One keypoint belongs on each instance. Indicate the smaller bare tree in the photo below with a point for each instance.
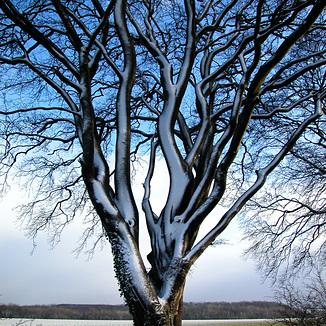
(305, 305)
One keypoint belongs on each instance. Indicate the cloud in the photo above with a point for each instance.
(57, 276)
(51, 276)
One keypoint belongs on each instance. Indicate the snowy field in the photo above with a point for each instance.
(61, 322)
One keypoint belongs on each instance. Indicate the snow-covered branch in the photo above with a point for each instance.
(124, 195)
(151, 218)
(262, 175)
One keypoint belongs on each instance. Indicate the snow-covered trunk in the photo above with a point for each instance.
(141, 317)
(134, 282)
(147, 305)
(170, 313)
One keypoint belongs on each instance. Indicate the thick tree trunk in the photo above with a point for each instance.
(172, 315)
(145, 305)
(166, 314)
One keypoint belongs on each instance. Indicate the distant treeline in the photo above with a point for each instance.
(66, 311)
(207, 310)
(232, 310)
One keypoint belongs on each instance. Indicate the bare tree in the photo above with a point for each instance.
(305, 306)
(100, 84)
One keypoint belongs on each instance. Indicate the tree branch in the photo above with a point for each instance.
(262, 175)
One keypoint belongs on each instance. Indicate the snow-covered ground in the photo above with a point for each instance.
(70, 322)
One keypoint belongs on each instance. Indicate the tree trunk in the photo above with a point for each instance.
(142, 298)
(172, 315)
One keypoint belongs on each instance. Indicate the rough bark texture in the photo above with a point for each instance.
(171, 315)
(155, 312)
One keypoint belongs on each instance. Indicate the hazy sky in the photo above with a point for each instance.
(57, 276)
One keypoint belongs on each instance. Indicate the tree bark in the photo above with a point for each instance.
(160, 313)
(172, 315)
(145, 304)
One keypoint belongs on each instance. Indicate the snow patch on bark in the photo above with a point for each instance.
(100, 167)
(102, 198)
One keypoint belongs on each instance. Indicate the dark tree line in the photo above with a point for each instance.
(232, 310)
(206, 310)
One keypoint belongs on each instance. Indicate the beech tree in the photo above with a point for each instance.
(91, 87)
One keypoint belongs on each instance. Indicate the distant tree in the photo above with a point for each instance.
(222, 90)
(305, 305)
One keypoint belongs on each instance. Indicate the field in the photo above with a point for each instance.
(61, 322)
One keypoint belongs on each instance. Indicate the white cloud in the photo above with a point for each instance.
(56, 276)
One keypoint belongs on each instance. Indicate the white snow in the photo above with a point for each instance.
(100, 166)
(102, 198)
